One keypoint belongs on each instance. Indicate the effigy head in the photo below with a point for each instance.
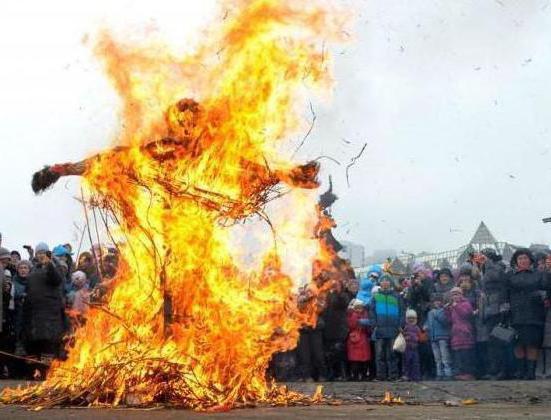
(183, 118)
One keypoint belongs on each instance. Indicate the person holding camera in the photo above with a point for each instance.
(43, 307)
(460, 315)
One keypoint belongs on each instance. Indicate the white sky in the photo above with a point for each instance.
(452, 97)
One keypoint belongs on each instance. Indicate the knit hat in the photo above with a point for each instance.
(41, 247)
(445, 271)
(356, 304)
(78, 278)
(418, 267)
(4, 253)
(386, 277)
(456, 290)
(60, 251)
(410, 313)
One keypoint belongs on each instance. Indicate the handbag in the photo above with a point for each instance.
(399, 343)
(502, 333)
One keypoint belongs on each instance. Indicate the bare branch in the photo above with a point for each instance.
(353, 162)
(314, 117)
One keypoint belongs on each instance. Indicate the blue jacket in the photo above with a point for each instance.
(386, 314)
(437, 325)
(364, 294)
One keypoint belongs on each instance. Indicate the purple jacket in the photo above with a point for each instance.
(411, 334)
(461, 319)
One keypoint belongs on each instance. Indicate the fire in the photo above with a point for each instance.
(390, 399)
(185, 323)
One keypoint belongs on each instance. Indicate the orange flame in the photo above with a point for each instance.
(390, 399)
(185, 323)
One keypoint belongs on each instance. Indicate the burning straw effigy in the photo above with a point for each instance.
(185, 324)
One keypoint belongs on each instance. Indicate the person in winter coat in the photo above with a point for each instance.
(87, 264)
(470, 290)
(438, 329)
(411, 331)
(542, 267)
(351, 288)
(471, 293)
(444, 283)
(418, 298)
(385, 314)
(419, 292)
(43, 307)
(6, 318)
(460, 314)
(24, 268)
(358, 348)
(64, 258)
(311, 359)
(80, 297)
(5, 288)
(527, 290)
(336, 331)
(492, 309)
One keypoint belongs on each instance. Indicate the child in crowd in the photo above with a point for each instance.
(412, 366)
(386, 317)
(81, 294)
(460, 314)
(438, 329)
(358, 347)
(469, 289)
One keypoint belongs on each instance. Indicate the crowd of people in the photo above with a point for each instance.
(484, 320)
(44, 298)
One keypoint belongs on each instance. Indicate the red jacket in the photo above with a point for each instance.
(358, 348)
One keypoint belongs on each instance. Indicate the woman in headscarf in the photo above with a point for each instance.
(526, 291)
(19, 292)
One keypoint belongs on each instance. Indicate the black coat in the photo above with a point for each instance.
(43, 307)
(334, 316)
(418, 298)
(495, 291)
(526, 290)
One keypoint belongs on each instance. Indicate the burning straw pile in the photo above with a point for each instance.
(184, 323)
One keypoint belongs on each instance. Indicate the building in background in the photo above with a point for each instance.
(355, 253)
(482, 238)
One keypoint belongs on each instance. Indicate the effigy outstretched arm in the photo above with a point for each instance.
(300, 176)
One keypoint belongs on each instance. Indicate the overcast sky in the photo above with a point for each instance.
(452, 97)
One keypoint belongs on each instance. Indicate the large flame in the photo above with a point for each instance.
(185, 323)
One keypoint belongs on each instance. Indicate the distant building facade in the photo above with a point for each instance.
(355, 253)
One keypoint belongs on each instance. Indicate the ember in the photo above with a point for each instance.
(390, 399)
(185, 325)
